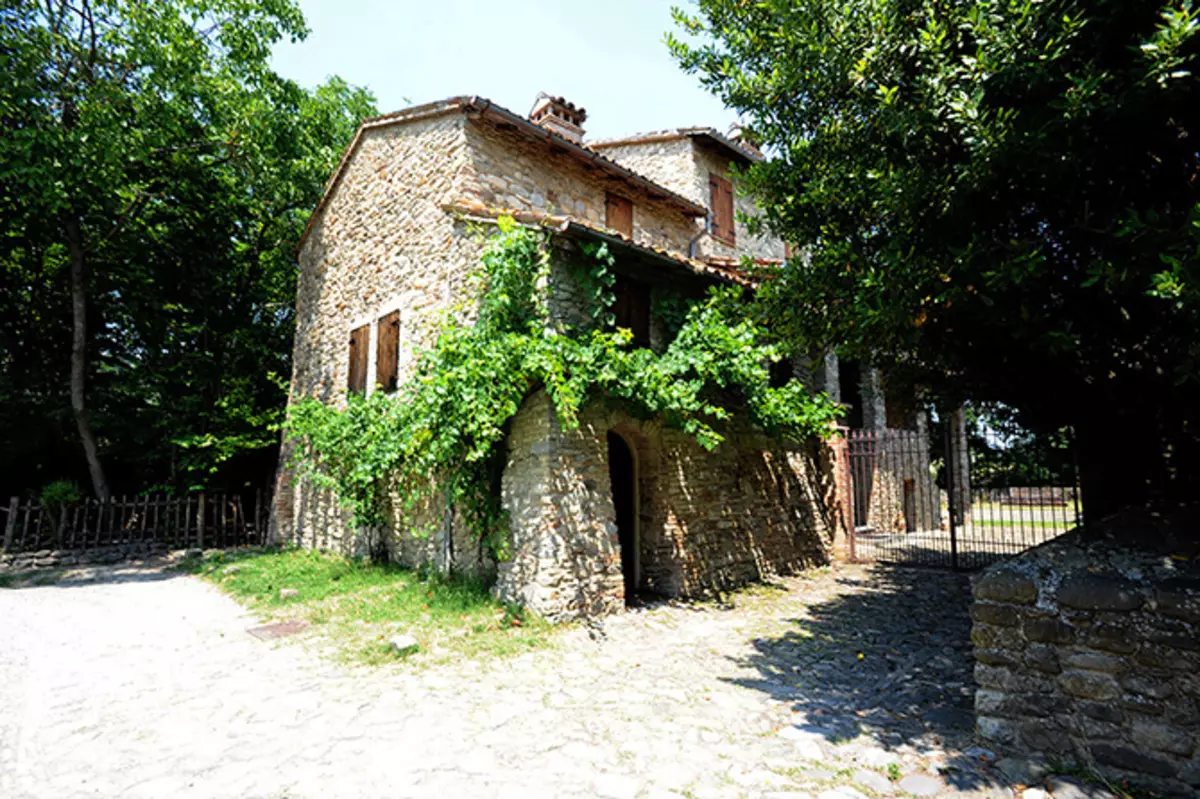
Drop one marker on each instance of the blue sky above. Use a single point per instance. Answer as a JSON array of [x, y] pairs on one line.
[[607, 56]]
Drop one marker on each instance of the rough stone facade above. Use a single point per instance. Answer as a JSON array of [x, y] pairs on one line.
[[384, 240], [707, 521], [1090, 654], [683, 164]]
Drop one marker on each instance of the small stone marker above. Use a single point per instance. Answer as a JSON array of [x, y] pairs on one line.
[[404, 644], [289, 593]]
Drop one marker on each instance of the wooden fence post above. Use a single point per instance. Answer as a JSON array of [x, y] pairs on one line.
[[200, 522], [10, 525]]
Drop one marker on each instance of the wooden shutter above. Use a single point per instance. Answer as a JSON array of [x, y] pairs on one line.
[[721, 198], [619, 214], [360, 342], [632, 309], [387, 353]]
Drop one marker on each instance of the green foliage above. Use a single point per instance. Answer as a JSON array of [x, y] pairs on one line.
[[59, 493], [189, 168], [443, 430], [999, 199], [356, 606]]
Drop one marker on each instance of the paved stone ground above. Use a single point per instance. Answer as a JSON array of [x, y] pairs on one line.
[[142, 682]]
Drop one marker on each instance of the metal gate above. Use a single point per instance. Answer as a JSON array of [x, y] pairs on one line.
[[957, 495]]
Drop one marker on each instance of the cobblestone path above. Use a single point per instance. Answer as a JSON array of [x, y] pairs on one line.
[[846, 683]]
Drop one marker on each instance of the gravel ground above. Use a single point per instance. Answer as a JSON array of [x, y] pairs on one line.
[[136, 681]]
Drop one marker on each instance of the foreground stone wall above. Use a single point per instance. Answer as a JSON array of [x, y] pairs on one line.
[[1090, 655], [708, 521]]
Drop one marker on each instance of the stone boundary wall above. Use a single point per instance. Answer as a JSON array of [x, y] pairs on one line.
[[55, 558], [1090, 656]]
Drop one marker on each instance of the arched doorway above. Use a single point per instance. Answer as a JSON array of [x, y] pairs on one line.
[[622, 472]]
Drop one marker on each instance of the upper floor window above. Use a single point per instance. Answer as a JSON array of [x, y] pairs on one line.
[[387, 352], [360, 345], [722, 225], [631, 309], [618, 213]]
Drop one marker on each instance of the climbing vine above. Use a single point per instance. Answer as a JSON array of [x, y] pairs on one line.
[[442, 432]]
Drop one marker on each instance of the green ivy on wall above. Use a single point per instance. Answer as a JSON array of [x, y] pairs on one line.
[[443, 431]]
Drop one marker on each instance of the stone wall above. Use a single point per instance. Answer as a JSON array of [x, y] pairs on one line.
[[708, 521], [511, 172], [383, 243], [683, 165], [1089, 655]]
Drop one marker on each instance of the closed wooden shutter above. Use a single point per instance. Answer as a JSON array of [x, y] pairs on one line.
[[619, 214], [360, 342], [387, 353], [721, 198], [632, 309]]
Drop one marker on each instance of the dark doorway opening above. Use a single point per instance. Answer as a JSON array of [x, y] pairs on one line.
[[622, 471]]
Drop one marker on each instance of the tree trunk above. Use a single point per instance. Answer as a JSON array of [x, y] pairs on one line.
[[79, 357]]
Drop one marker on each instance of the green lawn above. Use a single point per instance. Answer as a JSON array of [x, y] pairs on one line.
[[355, 608]]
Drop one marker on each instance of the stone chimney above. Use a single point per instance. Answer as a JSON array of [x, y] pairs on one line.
[[558, 115]]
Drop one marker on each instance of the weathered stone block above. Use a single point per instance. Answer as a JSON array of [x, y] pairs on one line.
[[1089, 591], [1112, 638], [997, 657], [1162, 738], [1044, 735], [986, 636], [1148, 687], [1005, 585], [1089, 685], [1131, 759], [1048, 630], [1001, 731], [1043, 658], [1094, 661], [996, 615], [1102, 711]]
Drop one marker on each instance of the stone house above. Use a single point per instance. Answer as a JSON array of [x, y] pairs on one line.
[[619, 506]]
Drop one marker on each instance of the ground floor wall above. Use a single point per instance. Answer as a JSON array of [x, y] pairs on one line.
[[704, 521]]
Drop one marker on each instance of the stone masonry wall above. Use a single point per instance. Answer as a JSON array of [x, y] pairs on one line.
[[708, 521], [683, 166], [1090, 655], [509, 172], [383, 243]]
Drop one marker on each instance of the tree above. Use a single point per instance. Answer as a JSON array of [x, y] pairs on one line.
[[154, 178], [999, 201]]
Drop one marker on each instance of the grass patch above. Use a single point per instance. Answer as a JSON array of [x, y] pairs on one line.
[[357, 607]]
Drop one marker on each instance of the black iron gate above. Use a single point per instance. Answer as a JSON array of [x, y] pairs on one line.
[[957, 493]]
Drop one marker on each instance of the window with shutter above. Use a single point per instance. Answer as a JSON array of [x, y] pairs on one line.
[[631, 309], [721, 197], [387, 353], [619, 214], [360, 342]]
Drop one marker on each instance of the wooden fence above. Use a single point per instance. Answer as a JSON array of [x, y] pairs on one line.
[[197, 520]]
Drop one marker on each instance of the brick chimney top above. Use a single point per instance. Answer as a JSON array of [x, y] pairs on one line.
[[560, 116]]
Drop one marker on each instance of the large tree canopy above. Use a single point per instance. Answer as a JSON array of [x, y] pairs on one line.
[[154, 178], [998, 200]]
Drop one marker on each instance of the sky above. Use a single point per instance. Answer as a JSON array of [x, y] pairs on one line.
[[606, 55]]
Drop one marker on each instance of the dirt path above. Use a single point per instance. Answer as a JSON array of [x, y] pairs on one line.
[[144, 683]]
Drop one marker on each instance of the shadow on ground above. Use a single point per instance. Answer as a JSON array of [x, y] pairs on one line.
[[889, 656]]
